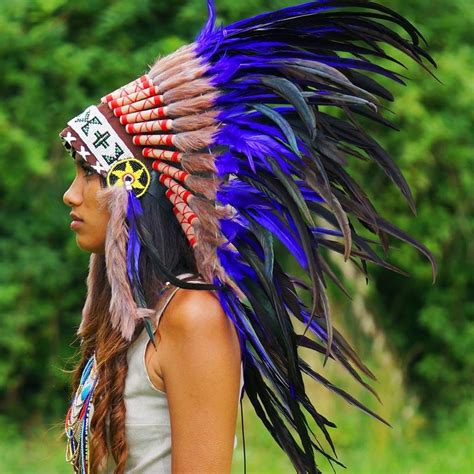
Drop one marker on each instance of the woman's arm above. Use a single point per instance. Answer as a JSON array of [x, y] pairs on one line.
[[200, 366]]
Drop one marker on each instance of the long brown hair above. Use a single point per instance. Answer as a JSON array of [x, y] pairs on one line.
[[109, 346]]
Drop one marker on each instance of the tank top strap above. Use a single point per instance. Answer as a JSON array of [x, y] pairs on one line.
[[168, 296]]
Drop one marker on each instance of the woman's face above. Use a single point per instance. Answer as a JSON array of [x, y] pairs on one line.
[[89, 218]]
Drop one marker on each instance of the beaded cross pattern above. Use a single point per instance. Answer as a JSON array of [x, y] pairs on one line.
[[78, 419]]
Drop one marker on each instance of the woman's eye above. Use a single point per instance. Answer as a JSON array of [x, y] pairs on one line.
[[88, 171]]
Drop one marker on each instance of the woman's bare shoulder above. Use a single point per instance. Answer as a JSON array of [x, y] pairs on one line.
[[191, 308], [197, 340], [194, 332]]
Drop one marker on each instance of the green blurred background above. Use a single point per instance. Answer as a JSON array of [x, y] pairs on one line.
[[58, 56]]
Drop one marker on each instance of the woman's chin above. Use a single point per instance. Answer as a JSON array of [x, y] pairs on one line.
[[88, 246]]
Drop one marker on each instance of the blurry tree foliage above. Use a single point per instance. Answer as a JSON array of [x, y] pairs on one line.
[[58, 56]]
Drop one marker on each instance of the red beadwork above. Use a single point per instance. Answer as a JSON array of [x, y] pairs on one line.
[[187, 228], [176, 188], [144, 115], [150, 126], [185, 210], [139, 84], [135, 97], [159, 154], [144, 104], [175, 173], [150, 140]]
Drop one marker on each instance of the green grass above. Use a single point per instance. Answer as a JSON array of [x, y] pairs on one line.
[[364, 446], [40, 452]]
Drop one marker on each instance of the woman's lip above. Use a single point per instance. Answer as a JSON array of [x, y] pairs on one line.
[[76, 224]]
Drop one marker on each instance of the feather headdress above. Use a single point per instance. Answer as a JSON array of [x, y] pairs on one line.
[[239, 127]]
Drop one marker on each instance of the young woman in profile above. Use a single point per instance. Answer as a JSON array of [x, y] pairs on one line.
[[184, 177], [191, 378]]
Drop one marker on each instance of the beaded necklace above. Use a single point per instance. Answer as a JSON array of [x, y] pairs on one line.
[[78, 419]]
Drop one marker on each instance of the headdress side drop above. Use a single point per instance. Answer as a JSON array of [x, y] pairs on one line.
[[235, 130]]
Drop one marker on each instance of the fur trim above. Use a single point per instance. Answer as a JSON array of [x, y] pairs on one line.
[[188, 90], [195, 122], [192, 106], [194, 141], [92, 284], [123, 309], [198, 163]]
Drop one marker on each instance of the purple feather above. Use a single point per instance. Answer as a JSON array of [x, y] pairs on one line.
[[134, 211], [243, 196]]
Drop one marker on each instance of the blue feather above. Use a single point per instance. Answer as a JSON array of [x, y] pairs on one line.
[[134, 212]]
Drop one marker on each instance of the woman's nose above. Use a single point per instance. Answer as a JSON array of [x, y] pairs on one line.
[[72, 197]]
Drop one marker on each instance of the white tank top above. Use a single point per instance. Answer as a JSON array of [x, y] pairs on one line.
[[147, 421]]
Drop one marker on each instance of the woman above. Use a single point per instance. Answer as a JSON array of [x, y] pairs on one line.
[[193, 319], [183, 179]]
